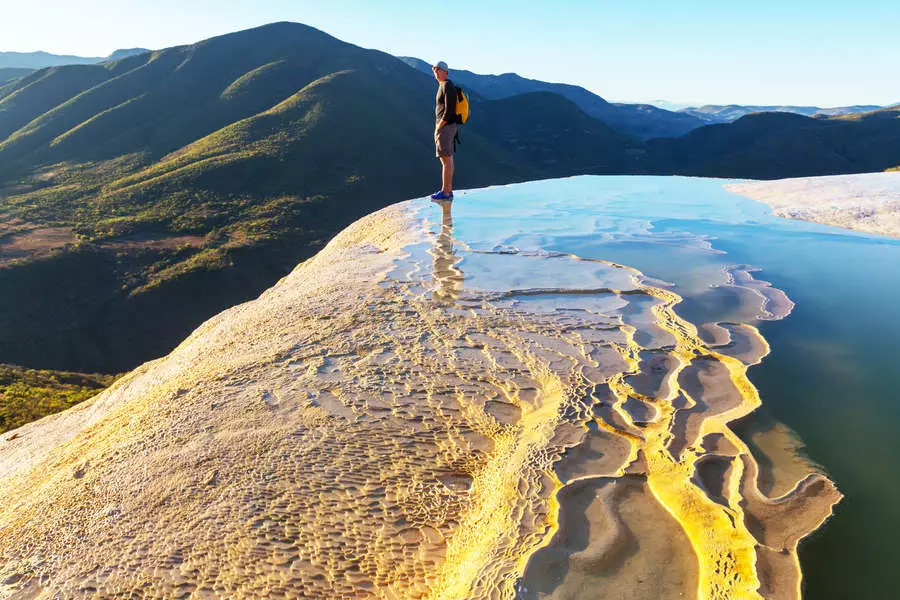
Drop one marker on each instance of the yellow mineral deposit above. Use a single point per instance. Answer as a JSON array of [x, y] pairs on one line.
[[374, 427]]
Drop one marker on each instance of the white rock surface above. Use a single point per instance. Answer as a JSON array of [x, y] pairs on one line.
[[405, 416], [868, 202]]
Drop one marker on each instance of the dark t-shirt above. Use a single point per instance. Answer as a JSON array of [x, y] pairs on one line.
[[445, 102]]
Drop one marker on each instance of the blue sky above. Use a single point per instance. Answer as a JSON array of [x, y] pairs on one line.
[[824, 53]]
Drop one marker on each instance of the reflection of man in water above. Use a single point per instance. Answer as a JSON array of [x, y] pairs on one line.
[[448, 279]]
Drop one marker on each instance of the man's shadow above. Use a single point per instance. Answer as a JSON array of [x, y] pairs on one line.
[[448, 278]]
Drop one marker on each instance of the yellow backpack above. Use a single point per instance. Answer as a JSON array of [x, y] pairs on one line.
[[462, 106]]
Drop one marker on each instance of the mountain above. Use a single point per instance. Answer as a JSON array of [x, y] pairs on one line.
[[141, 195], [779, 145], [40, 60], [564, 139], [10, 73], [638, 120], [672, 106], [126, 52], [153, 191], [646, 121], [713, 113]]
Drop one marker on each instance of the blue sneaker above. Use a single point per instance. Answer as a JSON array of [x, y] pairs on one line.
[[440, 195]]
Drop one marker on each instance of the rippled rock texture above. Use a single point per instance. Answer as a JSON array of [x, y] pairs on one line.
[[411, 414]]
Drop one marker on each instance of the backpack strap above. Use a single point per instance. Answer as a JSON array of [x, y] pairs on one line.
[[456, 139]]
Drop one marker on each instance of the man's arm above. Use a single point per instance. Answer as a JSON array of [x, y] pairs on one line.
[[449, 104]]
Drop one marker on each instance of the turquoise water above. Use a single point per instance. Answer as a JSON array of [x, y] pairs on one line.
[[832, 375]]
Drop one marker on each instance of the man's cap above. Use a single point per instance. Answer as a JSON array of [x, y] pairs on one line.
[[440, 65]]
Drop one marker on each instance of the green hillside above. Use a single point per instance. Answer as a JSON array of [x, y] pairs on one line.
[[27, 394], [566, 141], [152, 192], [7, 74]]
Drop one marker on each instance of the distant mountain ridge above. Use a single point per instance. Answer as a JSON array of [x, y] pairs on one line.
[[40, 60], [715, 113], [774, 145], [638, 120], [125, 52]]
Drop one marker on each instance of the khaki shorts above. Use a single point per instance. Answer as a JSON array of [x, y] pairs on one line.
[[443, 140]]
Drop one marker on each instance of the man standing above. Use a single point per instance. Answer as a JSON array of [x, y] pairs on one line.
[[445, 128]]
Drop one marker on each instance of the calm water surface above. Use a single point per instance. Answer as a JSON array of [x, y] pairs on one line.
[[832, 376]]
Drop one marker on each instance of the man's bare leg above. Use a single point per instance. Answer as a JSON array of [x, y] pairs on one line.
[[447, 172]]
